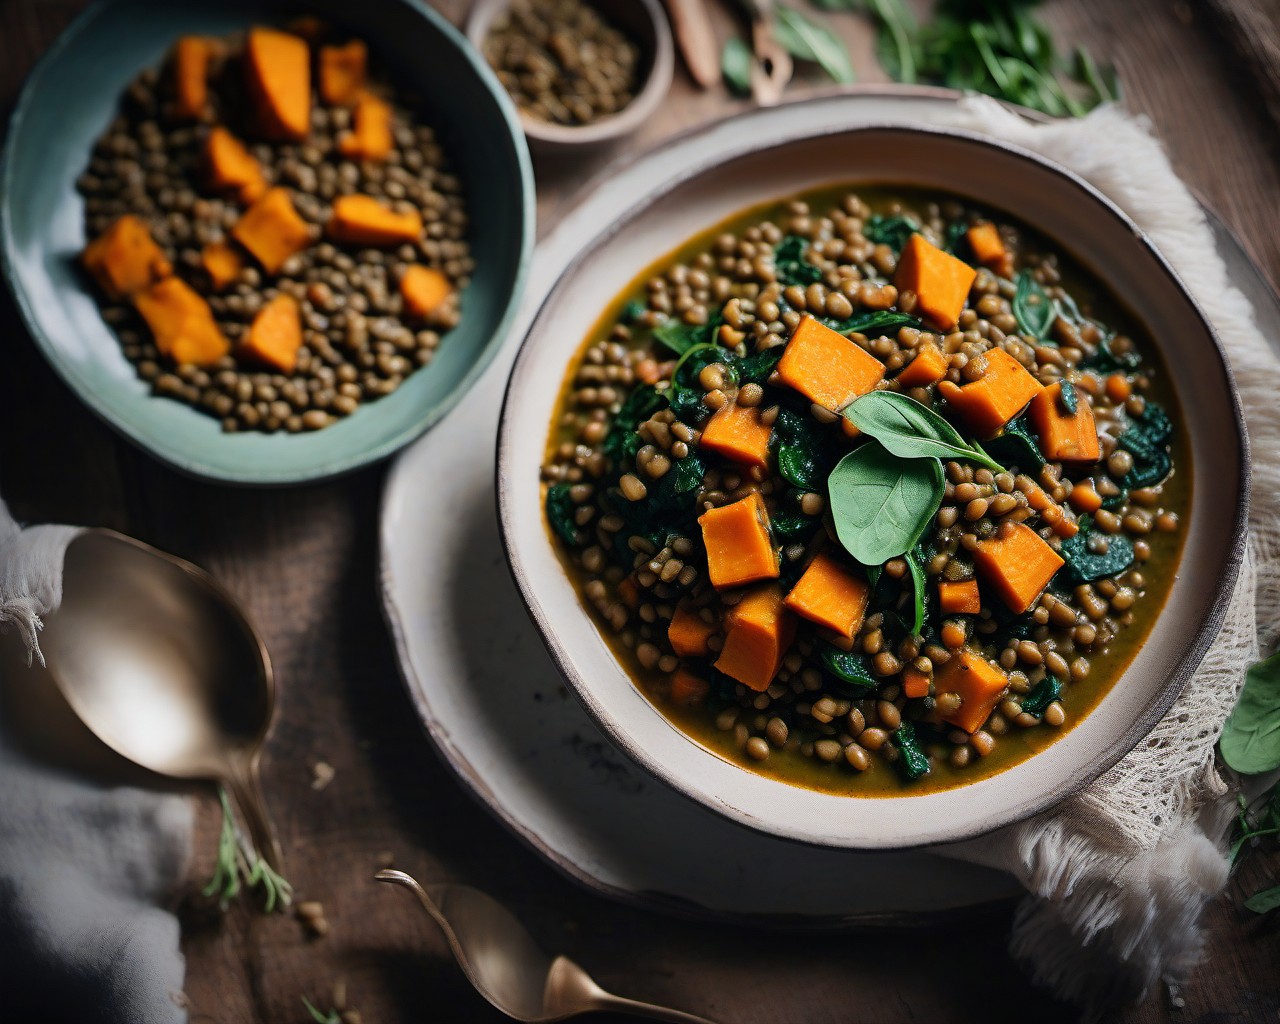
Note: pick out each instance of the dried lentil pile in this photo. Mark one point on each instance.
(561, 61)
(359, 340)
(633, 487)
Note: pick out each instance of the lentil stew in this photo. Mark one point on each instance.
(870, 490)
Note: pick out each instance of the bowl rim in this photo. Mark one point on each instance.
(625, 121)
(261, 474)
(1103, 760)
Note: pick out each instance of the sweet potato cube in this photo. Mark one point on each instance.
(941, 282)
(362, 220)
(826, 367)
(759, 631)
(996, 397)
(689, 633)
(928, 367)
(181, 322)
(989, 248)
(370, 138)
(275, 335)
(222, 263)
(278, 66)
(1085, 498)
(1064, 436)
(230, 167)
(959, 597)
(736, 432)
(831, 594)
(342, 72)
(688, 689)
(915, 683)
(1017, 567)
(124, 259)
(424, 290)
(272, 230)
(739, 548)
(979, 683)
(191, 58)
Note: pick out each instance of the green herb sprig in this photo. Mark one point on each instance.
(239, 867)
(911, 430)
(882, 503)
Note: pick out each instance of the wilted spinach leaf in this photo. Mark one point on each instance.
(1032, 308)
(873, 324)
(756, 368)
(1147, 440)
(848, 667)
(790, 264)
(679, 336)
(792, 527)
(1106, 360)
(913, 762)
(1016, 446)
(1083, 565)
(622, 442)
(891, 231)
(1042, 695)
(560, 510)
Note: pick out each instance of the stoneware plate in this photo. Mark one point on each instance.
(67, 103)
(1066, 210)
(493, 702)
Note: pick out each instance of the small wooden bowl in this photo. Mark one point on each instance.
(645, 23)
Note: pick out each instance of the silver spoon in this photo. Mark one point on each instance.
(162, 666)
(500, 958)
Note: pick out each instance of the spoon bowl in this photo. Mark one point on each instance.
(162, 666)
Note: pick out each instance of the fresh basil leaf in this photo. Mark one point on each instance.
(1250, 741)
(805, 39)
(790, 264)
(1264, 902)
(735, 65)
(560, 512)
(1084, 565)
(1017, 446)
(911, 430)
(913, 762)
(1042, 695)
(895, 38)
(1032, 308)
(891, 231)
(873, 324)
(848, 667)
(881, 504)
(1067, 397)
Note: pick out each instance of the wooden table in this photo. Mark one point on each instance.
(303, 562)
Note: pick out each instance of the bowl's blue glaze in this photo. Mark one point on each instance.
(69, 100)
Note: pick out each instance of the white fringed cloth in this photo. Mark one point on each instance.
(1119, 874)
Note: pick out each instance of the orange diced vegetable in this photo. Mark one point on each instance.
(272, 230)
(371, 137)
(831, 594)
(979, 683)
(689, 633)
(1118, 388)
(996, 397)
(124, 259)
(1064, 436)
(826, 367)
(928, 367)
(629, 591)
(279, 70)
(276, 334)
(735, 431)
(1063, 525)
(222, 263)
(959, 597)
(191, 58)
(688, 689)
(915, 683)
(739, 548)
(424, 290)
(1017, 567)
(232, 168)
(989, 248)
(362, 220)
(759, 631)
(941, 282)
(181, 322)
(342, 72)
(1084, 498)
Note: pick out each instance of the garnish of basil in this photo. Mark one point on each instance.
(881, 503)
(735, 65)
(911, 430)
(1032, 307)
(805, 39)
(1250, 740)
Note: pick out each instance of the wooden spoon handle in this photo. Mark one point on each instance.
(696, 39)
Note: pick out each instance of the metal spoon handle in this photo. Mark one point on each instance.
(617, 1004)
(246, 790)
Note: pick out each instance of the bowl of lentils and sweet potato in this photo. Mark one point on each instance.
(872, 491)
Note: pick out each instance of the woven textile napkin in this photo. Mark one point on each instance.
(86, 870)
(1120, 873)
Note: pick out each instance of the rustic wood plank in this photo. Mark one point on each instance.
(303, 561)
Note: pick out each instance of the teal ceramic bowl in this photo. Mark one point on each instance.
(67, 103)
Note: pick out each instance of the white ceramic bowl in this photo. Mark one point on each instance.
(1066, 210)
(646, 23)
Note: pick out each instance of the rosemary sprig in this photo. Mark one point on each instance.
(238, 866)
